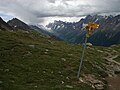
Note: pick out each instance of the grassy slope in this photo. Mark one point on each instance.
(34, 62)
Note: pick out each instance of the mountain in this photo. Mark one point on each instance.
(31, 61)
(19, 25)
(44, 32)
(4, 25)
(39, 29)
(107, 34)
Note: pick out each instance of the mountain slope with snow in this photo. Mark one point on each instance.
(107, 34)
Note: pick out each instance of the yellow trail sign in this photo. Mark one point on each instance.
(93, 25)
(90, 27)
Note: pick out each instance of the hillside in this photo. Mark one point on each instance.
(31, 61)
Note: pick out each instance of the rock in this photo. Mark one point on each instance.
(61, 75)
(1, 69)
(99, 87)
(28, 53)
(100, 51)
(81, 80)
(1, 82)
(88, 47)
(62, 82)
(25, 31)
(116, 69)
(96, 82)
(109, 75)
(89, 44)
(38, 71)
(70, 54)
(32, 46)
(85, 60)
(68, 86)
(46, 50)
(67, 78)
(35, 86)
(50, 42)
(44, 72)
(93, 86)
(12, 81)
(7, 70)
(63, 59)
(59, 72)
(115, 51)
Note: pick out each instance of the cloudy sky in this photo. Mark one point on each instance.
(44, 11)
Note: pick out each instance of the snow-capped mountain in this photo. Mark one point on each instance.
(107, 34)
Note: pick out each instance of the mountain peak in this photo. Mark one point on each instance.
(107, 34)
(18, 24)
(16, 21)
(1, 20)
(4, 25)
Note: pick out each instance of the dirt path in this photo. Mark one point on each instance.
(113, 83)
(113, 80)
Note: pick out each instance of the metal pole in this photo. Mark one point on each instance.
(80, 66)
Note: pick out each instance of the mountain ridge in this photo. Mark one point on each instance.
(4, 25)
(18, 24)
(74, 33)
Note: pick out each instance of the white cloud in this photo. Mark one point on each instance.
(38, 11)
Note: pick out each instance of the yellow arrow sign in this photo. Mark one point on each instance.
(91, 27)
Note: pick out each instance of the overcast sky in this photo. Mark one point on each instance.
(44, 11)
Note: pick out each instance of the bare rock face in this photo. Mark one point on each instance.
(93, 82)
(1, 82)
(18, 24)
(99, 87)
(32, 46)
(4, 26)
(68, 86)
(116, 69)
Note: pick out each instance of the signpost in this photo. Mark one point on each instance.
(90, 28)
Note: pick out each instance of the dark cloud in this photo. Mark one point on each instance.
(35, 11)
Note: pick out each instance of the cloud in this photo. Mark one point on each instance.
(36, 11)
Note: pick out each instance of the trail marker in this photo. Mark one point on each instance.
(90, 28)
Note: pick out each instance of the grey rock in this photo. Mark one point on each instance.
(99, 87)
(32, 46)
(68, 86)
(1, 82)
